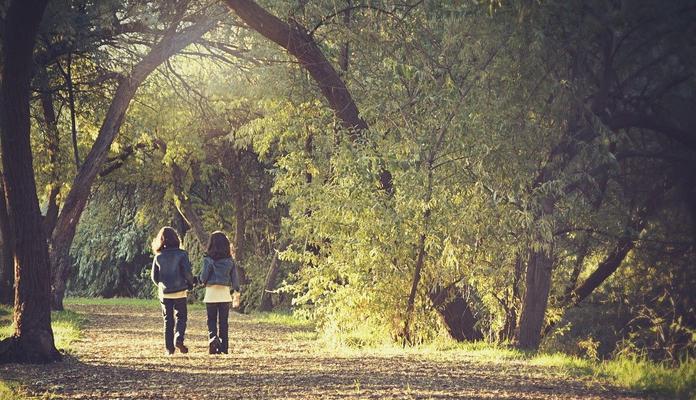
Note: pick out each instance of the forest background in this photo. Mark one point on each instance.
(513, 172)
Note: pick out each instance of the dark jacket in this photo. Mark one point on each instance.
(172, 268)
(220, 272)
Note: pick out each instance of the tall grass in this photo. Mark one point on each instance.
(641, 374)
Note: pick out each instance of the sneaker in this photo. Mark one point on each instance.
(213, 346)
(182, 348)
(168, 352)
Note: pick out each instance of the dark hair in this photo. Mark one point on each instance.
(167, 238)
(219, 246)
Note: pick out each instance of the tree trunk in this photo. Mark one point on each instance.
(7, 277)
(453, 306)
(536, 296)
(538, 285)
(266, 303)
(344, 60)
(510, 325)
(239, 211)
(420, 259)
(296, 40)
(76, 199)
(33, 337)
(51, 123)
(71, 103)
(185, 207)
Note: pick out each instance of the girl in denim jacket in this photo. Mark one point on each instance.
(219, 275)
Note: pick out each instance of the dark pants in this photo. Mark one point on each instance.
(218, 312)
(174, 309)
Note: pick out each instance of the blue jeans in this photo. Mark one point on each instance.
(174, 310)
(218, 312)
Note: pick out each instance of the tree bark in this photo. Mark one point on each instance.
(536, 295)
(71, 103)
(76, 199)
(32, 340)
(185, 207)
(420, 259)
(452, 304)
(239, 211)
(538, 284)
(510, 324)
(51, 123)
(7, 278)
(296, 40)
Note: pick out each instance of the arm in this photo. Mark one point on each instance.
(154, 274)
(186, 269)
(205, 272)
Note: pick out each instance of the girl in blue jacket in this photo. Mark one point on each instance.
(219, 275)
(171, 272)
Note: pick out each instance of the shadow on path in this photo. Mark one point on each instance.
(121, 357)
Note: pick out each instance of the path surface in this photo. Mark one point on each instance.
(120, 357)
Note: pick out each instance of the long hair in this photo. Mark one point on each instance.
(219, 246)
(167, 238)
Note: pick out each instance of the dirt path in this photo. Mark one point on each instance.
(121, 357)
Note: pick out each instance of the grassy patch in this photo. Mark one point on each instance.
(634, 373)
(640, 374)
(10, 391)
(120, 301)
(284, 319)
(66, 326)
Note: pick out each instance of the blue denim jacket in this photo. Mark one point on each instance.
(220, 272)
(172, 268)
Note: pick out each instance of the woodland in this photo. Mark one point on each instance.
(514, 172)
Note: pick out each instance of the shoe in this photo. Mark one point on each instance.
(168, 352)
(213, 346)
(182, 348)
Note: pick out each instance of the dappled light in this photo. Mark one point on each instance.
(347, 199)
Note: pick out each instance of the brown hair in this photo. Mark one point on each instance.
(219, 246)
(167, 238)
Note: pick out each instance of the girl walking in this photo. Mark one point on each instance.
(171, 272)
(219, 274)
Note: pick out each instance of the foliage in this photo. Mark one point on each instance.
(485, 113)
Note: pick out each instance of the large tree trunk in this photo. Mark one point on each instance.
(536, 295)
(296, 40)
(6, 257)
(452, 303)
(76, 200)
(33, 337)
